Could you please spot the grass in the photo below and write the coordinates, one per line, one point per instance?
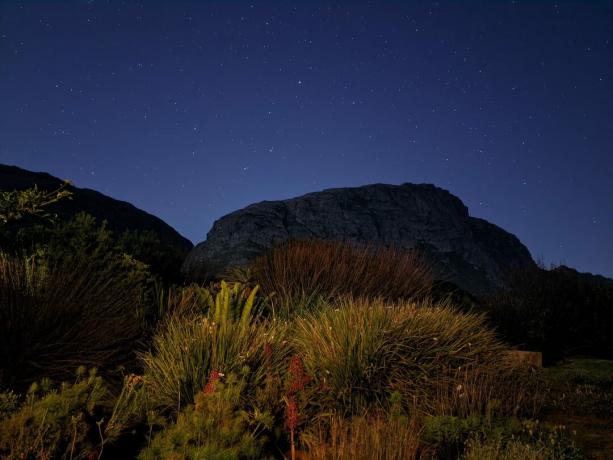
(365, 438)
(297, 275)
(437, 359)
(227, 338)
(53, 320)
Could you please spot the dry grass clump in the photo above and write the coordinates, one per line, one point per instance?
(55, 320)
(364, 438)
(439, 360)
(301, 273)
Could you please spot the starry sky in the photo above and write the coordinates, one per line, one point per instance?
(191, 110)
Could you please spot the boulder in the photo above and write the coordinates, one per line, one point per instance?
(469, 252)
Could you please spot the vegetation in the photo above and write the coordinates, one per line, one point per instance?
(53, 320)
(319, 350)
(227, 338)
(215, 427)
(299, 274)
(17, 204)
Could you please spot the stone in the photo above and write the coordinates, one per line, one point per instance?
(469, 252)
(532, 358)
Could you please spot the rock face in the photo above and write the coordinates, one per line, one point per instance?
(467, 251)
(120, 215)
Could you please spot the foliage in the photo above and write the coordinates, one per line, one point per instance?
(365, 438)
(16, 204)
(559, 312)
(299, 274)
(533, 441)
(436, 358)
(229, 336)
(497, 449)
(53, 320)
(485, 437)
(55, 422)
(70, 421)
(216, 427)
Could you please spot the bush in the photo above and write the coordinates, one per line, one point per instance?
(299, 274)
(438, 360)
(74, 420)
(52, 423)
(53, 320)
(216, 427)
(532, 441)
(228, 337)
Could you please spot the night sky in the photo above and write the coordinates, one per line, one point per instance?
(191, 110)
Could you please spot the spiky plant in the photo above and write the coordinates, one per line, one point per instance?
(228, 337)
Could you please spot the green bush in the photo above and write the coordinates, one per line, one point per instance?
(216, 427)
(439, 361)
(228, 337)
(532, 441)
(17, 204)
(54, 423)
(53, 320)
(300, 274)
(73, 420)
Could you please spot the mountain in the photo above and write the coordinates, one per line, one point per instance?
(470, 252)
(120, 215)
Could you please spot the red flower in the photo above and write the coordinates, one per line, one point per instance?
(210, 386)
(291, 413)
(297, 378)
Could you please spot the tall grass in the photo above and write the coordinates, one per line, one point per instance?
(299, 274)
(226, 338)
(55, 320)
(434, 357)
(364, 438)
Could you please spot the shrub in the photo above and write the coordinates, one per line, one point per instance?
(228, 337)
(53, 320)
(216, 427)
(299, 274)
(16, 204)
(479, 437)
(73, 420)
(532, 441)
(435, 357)
(365, 438)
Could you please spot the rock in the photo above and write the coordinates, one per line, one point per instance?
(467, 251)
(531, 358)
(120, 215)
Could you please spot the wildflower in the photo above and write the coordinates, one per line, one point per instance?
(291, 413)
(297, 378)
(210, 385)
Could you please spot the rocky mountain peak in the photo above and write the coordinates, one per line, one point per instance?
(468, 251)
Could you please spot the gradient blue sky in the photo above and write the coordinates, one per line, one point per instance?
(191, 110)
